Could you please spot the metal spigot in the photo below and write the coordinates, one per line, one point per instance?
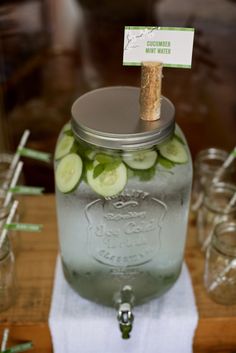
(125, 318)
(125, 315)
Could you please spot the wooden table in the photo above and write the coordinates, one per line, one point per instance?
(28, 318)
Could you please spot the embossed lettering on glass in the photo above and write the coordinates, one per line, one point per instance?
(123, 190)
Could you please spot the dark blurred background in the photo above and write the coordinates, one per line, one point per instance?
(52, 51)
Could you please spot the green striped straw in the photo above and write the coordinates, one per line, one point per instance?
(16, 157)
(13, 183)
(19, 348)
(9, 219)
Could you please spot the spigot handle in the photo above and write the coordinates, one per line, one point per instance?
(125, 318)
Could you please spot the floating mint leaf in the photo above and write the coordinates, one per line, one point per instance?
(88, 165)
(104, 159)
(145, 175)
(179, 139)
(112, 166)
(130, 173)
(165, 163)
(74, 148)
(98, 170)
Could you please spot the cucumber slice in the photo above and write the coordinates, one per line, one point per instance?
(140, 160)
(66, 127)
(68, 172)
(179, 139)
(108, 182)
(64, 146)
(174, 151)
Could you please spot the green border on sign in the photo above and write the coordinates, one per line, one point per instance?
(181, 29)
(165, 65)
(161, 28)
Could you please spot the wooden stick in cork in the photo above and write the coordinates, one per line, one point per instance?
(150, 93)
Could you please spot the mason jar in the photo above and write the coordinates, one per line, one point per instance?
(122, 193)
(5, 172)
(7, 276)
(14, 236)
(206, 165)
(220, 265)
(214, 210)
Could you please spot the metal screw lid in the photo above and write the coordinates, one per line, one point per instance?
(109, 117)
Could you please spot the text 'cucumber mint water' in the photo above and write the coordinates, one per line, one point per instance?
(123, 189)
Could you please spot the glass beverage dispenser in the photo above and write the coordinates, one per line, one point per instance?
(123, 189)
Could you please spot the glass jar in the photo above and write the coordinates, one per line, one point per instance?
(214, 210)
(206, 166)
(14, 236)
(122, 191)
(7, 276)
(220, 266)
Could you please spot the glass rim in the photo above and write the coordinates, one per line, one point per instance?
(204, 156)
(217, 188)
(219, 243)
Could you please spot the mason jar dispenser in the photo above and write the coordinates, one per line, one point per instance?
(122, 191)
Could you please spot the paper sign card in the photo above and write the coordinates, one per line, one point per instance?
(173, 46)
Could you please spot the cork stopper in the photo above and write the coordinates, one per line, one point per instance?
(150, 93)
